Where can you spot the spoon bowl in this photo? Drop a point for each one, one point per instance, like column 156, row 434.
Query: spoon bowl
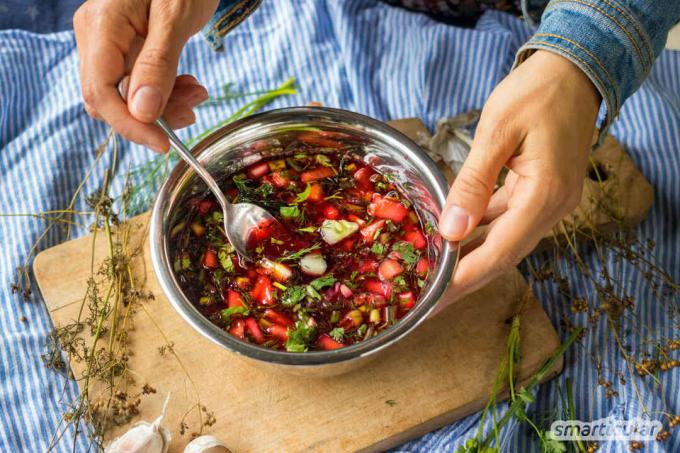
column 240, row 219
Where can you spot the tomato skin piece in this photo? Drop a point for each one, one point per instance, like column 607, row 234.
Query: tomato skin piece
column 368, row 232
column 416, row 238
column 389, row 269
column 315, row 138
column 422, row 266
column 279, row 332
column 407, row 300
column 375, row 286
column 363, row 178
column 316, row 173
column 263, row 292
column 254, row 330
column 280, row 180
column 210, row 259
column 258, row 170
column 330, row 212
column 328, row 344
column 316, row 194
column 367, row 266
column 205, row 206
column 384, row 208
column 237, row 328
column 277, row 318
column 234, row 299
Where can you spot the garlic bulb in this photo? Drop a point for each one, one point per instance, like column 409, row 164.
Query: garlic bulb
column 206, row 444
column 143, row 437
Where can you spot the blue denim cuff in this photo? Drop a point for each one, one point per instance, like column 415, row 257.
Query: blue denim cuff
column 603, row 38
column 229, row 14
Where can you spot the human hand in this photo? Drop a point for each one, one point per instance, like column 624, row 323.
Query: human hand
column 539, row 123
column 143, row 38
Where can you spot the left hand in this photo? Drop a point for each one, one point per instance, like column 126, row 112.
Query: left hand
column 539, row 123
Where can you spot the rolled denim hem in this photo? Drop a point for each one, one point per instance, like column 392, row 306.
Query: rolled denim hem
column 229, row 14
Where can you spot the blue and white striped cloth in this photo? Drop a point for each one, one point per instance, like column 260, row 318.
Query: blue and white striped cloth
column 356, row 54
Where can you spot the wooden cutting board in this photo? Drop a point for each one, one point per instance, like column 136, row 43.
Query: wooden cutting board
column 443, row 371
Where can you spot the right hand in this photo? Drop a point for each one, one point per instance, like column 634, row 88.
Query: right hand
column 142, row 38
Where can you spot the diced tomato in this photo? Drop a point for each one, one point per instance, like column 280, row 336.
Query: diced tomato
column 330, row 212
column 316, row 173
column 422, row 266
column 210, row 259
column 389, row 269
column 280, row 180
column 327, row 343
column 407, row 300
column 385, row 208
column 367, row 266
column 279, row 332
column 277, row 317
column 254, row 330
column 316, row 193
column 263, row 292
column 416, row 238
column 356, row 219
column 257, row 170
column 315, row 138
column 377, row 287
column 363, row 178
column 234, row 299
column 205, row 206
column 368, row 232
column 237, row 328
column 370, row 299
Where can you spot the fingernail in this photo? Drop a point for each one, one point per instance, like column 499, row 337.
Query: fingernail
column 146, row 103
column 454, row 222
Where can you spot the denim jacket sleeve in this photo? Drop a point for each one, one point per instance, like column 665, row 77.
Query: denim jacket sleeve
column 615, row 42
column 229, row 14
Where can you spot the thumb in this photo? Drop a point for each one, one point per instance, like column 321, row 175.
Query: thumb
column 154, row 71
column 471, row 190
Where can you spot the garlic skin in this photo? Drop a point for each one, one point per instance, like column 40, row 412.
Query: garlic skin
column 144, row 437
column 206, row 444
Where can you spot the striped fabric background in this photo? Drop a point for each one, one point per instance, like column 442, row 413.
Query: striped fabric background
column 356, row 54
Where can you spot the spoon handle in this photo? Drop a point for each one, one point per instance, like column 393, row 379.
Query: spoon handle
column 182, row 150
column 189, row 158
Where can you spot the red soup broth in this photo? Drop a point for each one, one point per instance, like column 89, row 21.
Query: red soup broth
column 347, row 259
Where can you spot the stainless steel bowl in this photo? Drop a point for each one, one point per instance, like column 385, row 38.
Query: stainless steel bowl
column 229, row 149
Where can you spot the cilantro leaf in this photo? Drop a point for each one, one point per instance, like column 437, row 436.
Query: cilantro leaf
column 322, row 282
column 225, row 260
column 408, row 253
column 378, row 249
column 302, row 196
column 300, row 253
column 227, row 313
column 299, row 337
column 337, row 334
column 293, row 295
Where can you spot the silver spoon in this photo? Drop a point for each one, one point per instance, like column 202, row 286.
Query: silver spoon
column 240, row 219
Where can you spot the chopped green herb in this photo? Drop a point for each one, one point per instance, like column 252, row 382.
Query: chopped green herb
column 309, row 229
column 324, row 160
column 225, row 260
column 273, row 240
column 378, row 249
column 313, row 293
column 400, row 283
column 408, row 253
column 299, row 337
column 361, row 331
column 335, row 317
column 302, row 196
column 293, row 295
column 290, row 212
column 429, row 228
column 182, row 263
column 337, row 334
column 227, row 313
column 300, row 253
column 265, row 190
column 322, row 282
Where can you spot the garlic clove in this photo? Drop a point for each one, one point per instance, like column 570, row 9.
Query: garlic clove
column 143, row 437
column 206, row 444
